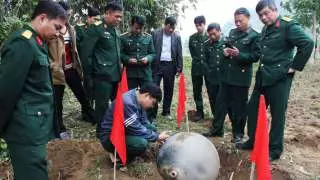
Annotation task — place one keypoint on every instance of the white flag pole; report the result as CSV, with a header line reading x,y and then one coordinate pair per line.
x,y
115,165
253,166
187,121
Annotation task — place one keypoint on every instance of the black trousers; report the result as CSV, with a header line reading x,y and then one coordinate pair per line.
x,y
58,98
73,80
167,71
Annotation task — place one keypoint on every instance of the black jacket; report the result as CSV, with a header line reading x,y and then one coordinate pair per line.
x,y
176,50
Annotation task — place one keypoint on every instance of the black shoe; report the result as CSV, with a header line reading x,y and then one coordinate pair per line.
x,y
87,116
236,139
199,116
274,156
212,134
245,146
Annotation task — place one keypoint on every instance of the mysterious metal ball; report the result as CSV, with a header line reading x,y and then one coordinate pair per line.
x,y
188,156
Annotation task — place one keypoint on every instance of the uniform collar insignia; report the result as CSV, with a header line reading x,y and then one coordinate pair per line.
x,y
278,24
38,40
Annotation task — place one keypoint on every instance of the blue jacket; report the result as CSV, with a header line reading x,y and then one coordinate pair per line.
x,y
136,120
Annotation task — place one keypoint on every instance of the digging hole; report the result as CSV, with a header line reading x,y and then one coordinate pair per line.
x,y
237,163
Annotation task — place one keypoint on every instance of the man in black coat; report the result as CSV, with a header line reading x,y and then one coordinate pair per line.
x,y
168,61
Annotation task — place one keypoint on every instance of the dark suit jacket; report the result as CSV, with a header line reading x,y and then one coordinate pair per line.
x,y
176,50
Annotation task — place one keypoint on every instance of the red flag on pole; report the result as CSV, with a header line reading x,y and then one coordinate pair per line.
x,y
181,100
260,153
117,135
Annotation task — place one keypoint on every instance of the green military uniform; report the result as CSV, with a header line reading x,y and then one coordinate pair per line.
x,y
81,29
197,49
138,47
236,82
82,42
26,106
272,79
213,70
103,55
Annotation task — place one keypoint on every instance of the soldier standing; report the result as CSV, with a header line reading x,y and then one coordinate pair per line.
x,y
278,64
213,63
26,94
103,56
81,30
137,53
196,47
241,51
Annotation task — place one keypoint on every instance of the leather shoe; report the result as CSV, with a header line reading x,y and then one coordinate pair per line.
x,y
274,156
236,139
199,116
245,146
212,134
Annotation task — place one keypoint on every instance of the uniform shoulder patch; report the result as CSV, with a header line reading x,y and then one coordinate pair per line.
x,y
27,34
124,34
81,24
286,19
98,23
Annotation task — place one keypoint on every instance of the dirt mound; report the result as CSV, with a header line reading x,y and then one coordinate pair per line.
x,y
69,159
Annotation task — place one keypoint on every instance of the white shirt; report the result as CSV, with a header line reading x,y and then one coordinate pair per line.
x,y
166,48
67,38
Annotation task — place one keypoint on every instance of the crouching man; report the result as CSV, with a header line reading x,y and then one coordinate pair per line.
x,y
139,131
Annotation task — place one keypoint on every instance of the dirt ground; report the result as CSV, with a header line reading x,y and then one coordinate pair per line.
x,y
83,158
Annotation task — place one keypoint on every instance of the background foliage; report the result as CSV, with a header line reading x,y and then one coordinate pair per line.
x,y
15,13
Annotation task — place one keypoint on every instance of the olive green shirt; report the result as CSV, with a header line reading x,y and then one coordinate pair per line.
x,y
102,52
137,46
197,51
277,43
238,70
26,93
213,61
80,33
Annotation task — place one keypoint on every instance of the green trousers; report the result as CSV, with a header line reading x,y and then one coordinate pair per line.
x,y
28,162
197,83
231,100
213,90
104,92
276,97
136,82
136,146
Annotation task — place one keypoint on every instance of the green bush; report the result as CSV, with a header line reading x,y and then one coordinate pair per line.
x,y
10,24
4,153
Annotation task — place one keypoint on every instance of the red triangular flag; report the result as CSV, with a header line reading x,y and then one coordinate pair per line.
x,y
260,153
181,100
124,81
117,135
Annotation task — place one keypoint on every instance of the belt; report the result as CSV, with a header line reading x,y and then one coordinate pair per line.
x,y
102,77
166,62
